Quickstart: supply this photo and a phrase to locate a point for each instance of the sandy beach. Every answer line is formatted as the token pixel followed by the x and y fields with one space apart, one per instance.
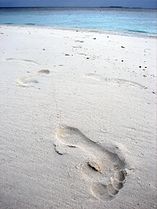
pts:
pixel 77 119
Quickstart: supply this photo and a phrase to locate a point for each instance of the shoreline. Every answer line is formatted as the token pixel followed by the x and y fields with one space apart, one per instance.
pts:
pixel 127 34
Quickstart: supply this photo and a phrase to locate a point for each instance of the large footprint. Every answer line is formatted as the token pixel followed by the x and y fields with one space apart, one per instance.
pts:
pixel 105 167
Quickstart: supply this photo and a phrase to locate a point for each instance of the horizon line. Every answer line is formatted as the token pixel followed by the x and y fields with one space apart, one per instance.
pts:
pixel 73 7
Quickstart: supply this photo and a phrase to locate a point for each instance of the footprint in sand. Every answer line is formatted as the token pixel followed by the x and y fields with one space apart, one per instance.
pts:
pixel 106 167
pixel 31 81
pixel 26 82
pixel 118 81
pixel 22 60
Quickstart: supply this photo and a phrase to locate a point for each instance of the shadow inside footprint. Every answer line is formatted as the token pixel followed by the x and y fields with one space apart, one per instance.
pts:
pixel 44 71
pixel 94 166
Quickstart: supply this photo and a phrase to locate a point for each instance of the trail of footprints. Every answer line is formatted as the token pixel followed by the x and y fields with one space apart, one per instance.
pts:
pixel 105 168
pixel 30 81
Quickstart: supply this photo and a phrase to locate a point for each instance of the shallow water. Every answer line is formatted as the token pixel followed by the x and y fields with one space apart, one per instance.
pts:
pixel 116 20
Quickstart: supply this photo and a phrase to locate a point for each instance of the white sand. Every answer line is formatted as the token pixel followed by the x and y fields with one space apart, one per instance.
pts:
pixel 89 90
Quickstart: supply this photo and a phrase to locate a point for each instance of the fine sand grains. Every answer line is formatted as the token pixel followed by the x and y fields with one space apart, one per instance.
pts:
pixel 77 119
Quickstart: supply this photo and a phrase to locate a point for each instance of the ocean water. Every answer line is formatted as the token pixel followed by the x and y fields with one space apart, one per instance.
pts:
pixel 136 21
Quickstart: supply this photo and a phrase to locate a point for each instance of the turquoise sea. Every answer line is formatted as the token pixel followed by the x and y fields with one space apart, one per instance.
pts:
pixel 138 21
